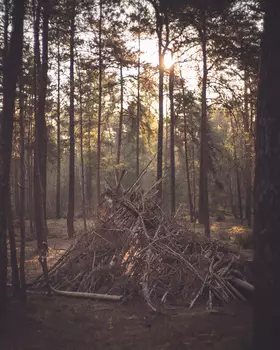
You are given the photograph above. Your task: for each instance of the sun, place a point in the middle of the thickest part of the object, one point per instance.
(168, 60)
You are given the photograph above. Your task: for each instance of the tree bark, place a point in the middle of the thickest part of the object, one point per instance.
(237, 170)
(58, 174)
(119, 145)
(40, 152)
(71, 196)
(160, 117)
(138, 99)
(267, 190)
(16, 179)
(172, 140)
(22, 192)
(192, 214)
(89, 168)
(248, 161)
(13, 251)
(82, 150)
(204, 151)
(30, 179)
(98, 182)
(12, 65)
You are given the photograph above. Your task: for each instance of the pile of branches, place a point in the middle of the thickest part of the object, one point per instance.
(137, 249)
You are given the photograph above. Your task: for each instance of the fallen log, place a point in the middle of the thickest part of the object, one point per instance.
(86, 295)
(74, 294)
(243, 284)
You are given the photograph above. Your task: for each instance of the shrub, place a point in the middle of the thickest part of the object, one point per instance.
(245, 240)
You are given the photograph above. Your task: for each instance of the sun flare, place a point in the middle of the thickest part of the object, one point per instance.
(168, 60)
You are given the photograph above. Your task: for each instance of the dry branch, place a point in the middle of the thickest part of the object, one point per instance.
(137, 249)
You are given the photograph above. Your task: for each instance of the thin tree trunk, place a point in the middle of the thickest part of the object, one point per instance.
(22, 192)
(238, 184)
(172, 140)
(248, 162)
(13, 252)
(58, 174)
(98, 183)
(204, 153)
(36, 10)
(82, 152)
(166, 186)
(187, 156)
(193, 170)
(89, 167)
(138, 98)
(266, 329)
(16, 180)
(40, 149)
(15, 173)
(30, 180)
(231, 197)
(237, 174)
(12, 65)
(160, 107)
(71, 197)
(118, 160)
(160, 126)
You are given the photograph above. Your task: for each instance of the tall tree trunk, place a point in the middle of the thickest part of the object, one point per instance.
(30, 179)
(13, 251)
(192, 214)
(82, 151)
(16, 179)
(89, 168)
(193, 168)
(22, 190)
(15, 173)
(172, 140)
(138, 97)
(58, 174)
(119, 145)
(71, 197)
(238, 184)
(36, 11)
(248, 162)
(160, 107)
(40, 150)
(231, 197)
(237, 174)
(98, 183)
(166, 186)
(267, 189)
(12, 65)
(204, 151)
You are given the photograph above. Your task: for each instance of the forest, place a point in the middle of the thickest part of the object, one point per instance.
(139, 162)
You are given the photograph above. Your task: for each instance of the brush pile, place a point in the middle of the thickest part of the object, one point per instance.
(137, 249)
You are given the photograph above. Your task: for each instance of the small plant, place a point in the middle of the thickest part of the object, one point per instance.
(245, 240)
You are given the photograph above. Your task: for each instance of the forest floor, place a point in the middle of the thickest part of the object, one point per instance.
(72, 324)
(60, 323)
